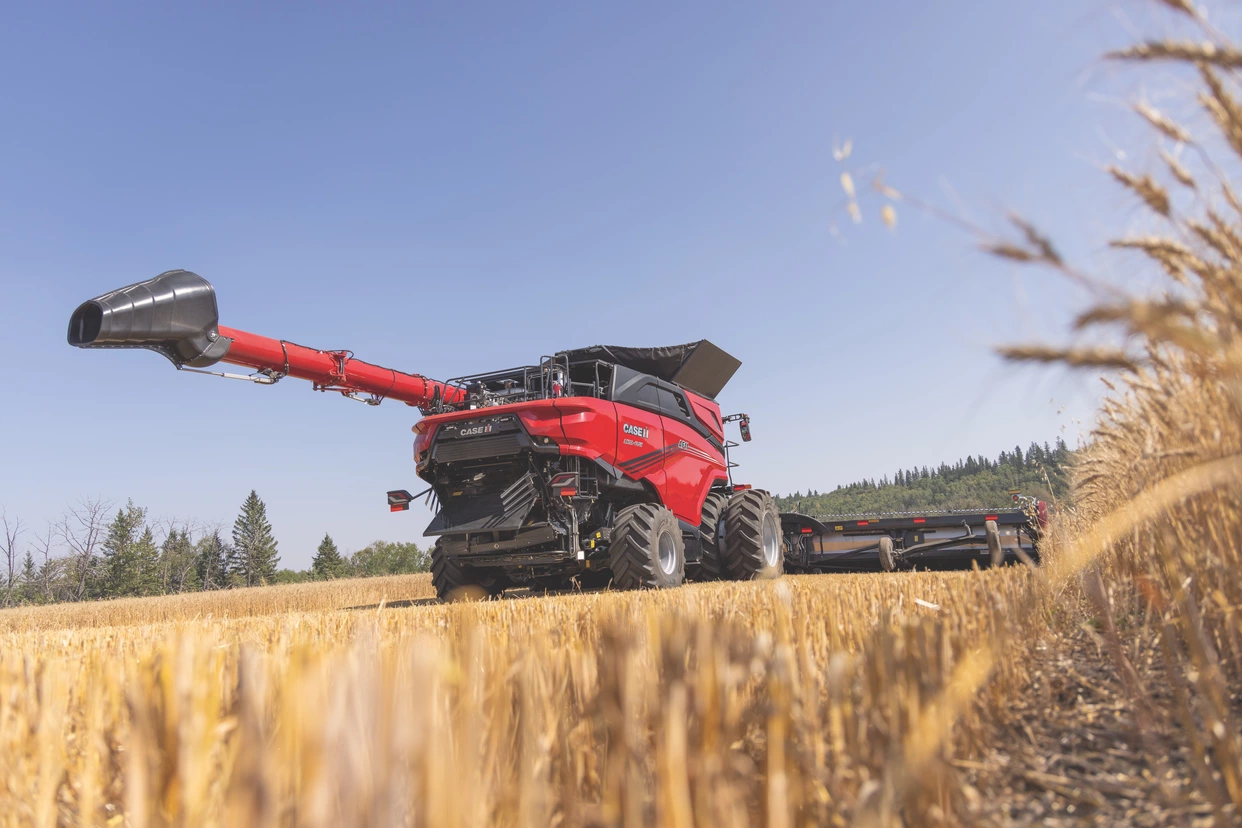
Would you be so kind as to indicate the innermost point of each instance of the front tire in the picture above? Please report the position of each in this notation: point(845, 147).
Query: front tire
point(457, 583)
point(753, 546)
point(647, 551)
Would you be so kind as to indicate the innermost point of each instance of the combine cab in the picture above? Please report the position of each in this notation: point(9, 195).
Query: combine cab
point(607, 465)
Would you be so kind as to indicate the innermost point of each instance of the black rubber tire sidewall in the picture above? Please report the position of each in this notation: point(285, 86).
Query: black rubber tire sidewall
point(711, 565)
point(453, 582)
point(743, 546)
point(633, 552)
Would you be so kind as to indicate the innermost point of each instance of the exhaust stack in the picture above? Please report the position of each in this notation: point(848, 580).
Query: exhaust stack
point(173, 314)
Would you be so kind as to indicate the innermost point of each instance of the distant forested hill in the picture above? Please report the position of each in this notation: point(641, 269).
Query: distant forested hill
point(973, 483)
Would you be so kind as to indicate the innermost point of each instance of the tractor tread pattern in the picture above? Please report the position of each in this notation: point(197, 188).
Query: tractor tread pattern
point(711, 564)
point(743, 547)
point(632, 555)
point(449, 579)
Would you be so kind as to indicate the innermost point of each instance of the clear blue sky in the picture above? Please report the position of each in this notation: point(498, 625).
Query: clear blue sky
point(449, 188)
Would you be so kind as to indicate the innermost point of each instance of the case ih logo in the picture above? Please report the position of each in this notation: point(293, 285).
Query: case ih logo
point(635, 430)
point(473, 430)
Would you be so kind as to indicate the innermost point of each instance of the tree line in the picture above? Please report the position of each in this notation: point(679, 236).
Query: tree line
point(1040, 471)
point(87, 555)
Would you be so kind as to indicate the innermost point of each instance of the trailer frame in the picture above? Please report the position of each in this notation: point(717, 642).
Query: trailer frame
point(950, 539)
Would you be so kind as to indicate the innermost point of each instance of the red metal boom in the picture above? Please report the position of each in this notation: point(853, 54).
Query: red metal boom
point(332, 370)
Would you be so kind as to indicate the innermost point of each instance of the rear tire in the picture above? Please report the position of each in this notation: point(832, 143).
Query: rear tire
point(753, 545)
point(457, 583)
point(647, 551)
point(994, 543)
point(887, 562)
point(711, 564)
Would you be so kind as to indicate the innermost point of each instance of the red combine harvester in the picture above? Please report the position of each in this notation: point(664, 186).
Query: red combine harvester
point(606, 464)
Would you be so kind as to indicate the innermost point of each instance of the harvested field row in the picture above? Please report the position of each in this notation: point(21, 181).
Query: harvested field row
point(738, 702)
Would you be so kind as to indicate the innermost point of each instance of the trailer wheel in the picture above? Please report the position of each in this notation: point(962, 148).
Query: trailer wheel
point(711, 564)
point(887, 562)
point(455, 583)
point(646, 550)
point(753, 546)
point(994, 543)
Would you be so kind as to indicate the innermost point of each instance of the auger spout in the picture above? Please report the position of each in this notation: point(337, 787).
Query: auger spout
point(175, 314)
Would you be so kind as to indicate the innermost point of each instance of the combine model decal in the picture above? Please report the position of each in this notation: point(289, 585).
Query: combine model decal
point(648, 460)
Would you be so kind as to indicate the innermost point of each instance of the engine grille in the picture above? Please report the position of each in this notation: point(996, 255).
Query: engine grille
point(477, 448)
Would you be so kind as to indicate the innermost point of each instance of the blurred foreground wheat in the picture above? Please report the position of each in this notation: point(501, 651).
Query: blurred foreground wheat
point(717, 704)
point(1157, 527)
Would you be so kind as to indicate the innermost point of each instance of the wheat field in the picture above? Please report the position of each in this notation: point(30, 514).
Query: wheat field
point(725, 704)
point(1100, 688)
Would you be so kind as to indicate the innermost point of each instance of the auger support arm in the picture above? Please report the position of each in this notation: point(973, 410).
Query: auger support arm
point(175, 314)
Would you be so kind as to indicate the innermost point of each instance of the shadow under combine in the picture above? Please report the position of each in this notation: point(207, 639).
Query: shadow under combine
point(509, 595)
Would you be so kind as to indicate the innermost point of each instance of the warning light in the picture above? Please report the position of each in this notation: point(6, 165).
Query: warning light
point(399, 500)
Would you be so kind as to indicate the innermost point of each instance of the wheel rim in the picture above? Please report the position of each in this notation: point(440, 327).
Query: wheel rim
point(668, 553)
point(771, 542)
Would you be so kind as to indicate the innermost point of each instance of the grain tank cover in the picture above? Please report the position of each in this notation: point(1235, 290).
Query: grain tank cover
point(707, 369)
point(698, 366)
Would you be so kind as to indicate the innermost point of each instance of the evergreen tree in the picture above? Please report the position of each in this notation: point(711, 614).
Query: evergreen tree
point(974, 483)
point(147, 564)
point(121, 574)
point(254, 558)
point(327, 563)
point(178, 564)
point(29, 580)
point(211, 561)
point(1062, 452)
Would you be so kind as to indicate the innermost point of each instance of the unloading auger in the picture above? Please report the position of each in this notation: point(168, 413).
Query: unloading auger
point(175, 314)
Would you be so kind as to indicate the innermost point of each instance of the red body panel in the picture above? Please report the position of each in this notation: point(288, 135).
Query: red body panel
point(691, 466)
point(640, 442)
point(708, 414)
point(588, 428)
point(676, 460)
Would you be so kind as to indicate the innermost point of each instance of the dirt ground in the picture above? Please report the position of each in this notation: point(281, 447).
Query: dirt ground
point(1078, 753)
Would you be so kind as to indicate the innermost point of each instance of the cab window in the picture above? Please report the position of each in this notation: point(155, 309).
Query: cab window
point(673, 404)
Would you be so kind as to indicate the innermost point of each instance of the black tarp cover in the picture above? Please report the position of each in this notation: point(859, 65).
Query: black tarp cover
point(700, 366)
